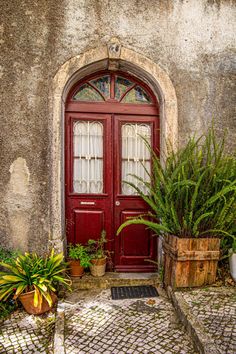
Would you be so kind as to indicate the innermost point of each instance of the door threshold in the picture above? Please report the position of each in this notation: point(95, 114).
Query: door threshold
point(115, 279)
point(132, 275)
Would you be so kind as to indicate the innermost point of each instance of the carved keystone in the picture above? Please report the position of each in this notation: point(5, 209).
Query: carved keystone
point(114, 51)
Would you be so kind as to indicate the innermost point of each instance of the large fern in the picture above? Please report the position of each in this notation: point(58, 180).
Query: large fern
point(194, 193)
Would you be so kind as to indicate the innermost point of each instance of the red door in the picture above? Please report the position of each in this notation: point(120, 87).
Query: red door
point(106, 116)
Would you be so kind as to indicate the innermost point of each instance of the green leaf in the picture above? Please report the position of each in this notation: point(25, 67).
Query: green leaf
point(11, 278)
point(20, 288)
point(157, 228)
point(198, 221)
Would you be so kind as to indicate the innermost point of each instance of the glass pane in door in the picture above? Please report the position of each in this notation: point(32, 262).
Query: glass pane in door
point(88, 157)
point(136, 157)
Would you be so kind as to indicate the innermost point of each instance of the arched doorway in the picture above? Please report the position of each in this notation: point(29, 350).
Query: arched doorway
point(106, 115)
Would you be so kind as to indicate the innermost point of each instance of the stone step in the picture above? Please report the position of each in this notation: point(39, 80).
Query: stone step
point(115, 279)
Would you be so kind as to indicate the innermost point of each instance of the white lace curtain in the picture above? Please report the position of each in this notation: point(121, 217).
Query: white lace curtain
point(88, 157)
point(135, 156)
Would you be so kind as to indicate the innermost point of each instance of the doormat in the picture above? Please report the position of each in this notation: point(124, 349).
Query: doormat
point(133, 292)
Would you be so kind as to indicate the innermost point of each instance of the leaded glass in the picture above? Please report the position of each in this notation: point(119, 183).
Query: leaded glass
point(121, 86)
point(87, 93)
point(103, 85)
point(137, 95)
point(88, 157)
point(136, 158)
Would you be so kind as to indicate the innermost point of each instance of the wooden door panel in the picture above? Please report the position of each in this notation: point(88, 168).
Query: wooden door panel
point(88, 224)
point(135, 239)
point(87, 214)
point(136, 244)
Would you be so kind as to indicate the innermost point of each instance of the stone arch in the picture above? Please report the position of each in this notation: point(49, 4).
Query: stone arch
point(69, 73)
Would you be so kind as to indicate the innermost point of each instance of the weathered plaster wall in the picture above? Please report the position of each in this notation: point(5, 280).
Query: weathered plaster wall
point(192, 40)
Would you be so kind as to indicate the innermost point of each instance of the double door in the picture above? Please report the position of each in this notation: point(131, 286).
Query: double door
point(103, 152)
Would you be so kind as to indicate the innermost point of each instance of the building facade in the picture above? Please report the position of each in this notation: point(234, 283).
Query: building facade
point(178, 57)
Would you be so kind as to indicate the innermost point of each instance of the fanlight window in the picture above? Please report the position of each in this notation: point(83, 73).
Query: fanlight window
point(136, 95)
point(112, 88)
point(121, 86)
point(103, 85)
point(87, 93)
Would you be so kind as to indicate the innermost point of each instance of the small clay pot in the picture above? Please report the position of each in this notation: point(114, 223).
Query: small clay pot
point(76, 270)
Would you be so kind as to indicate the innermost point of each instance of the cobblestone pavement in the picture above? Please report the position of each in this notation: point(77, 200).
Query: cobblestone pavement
point(216, 309)
point(23, 333)
point(97, 324)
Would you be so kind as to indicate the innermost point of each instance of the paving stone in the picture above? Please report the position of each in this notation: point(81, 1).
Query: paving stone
point(216, 309)
point(97, 324)
point(123, 326)
point(24, 333)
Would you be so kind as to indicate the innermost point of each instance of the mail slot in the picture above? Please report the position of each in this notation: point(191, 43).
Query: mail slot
point(87, 203)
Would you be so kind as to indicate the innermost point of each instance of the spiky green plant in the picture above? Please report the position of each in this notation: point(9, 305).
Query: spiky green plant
point(30, 272)
point(194, 193)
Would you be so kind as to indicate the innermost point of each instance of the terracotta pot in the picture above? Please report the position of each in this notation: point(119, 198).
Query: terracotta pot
point(190, 262)
point(27, 301)
point(98, 267)
point(76, 270)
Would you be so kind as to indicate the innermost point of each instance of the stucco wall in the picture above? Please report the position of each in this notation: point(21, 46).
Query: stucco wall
point(192, 40)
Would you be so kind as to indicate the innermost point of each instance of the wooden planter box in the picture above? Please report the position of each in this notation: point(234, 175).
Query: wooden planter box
point(190, 262)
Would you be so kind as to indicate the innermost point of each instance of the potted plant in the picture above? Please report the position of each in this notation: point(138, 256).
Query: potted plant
point(78, 259)
point(34, 280)
point(193, 205)
point(232, 258)
point(98, 255)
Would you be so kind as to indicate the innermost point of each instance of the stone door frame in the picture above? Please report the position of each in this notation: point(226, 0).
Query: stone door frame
point(113, 56)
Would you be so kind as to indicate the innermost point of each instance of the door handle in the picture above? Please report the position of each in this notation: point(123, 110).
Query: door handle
point(117, 203)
